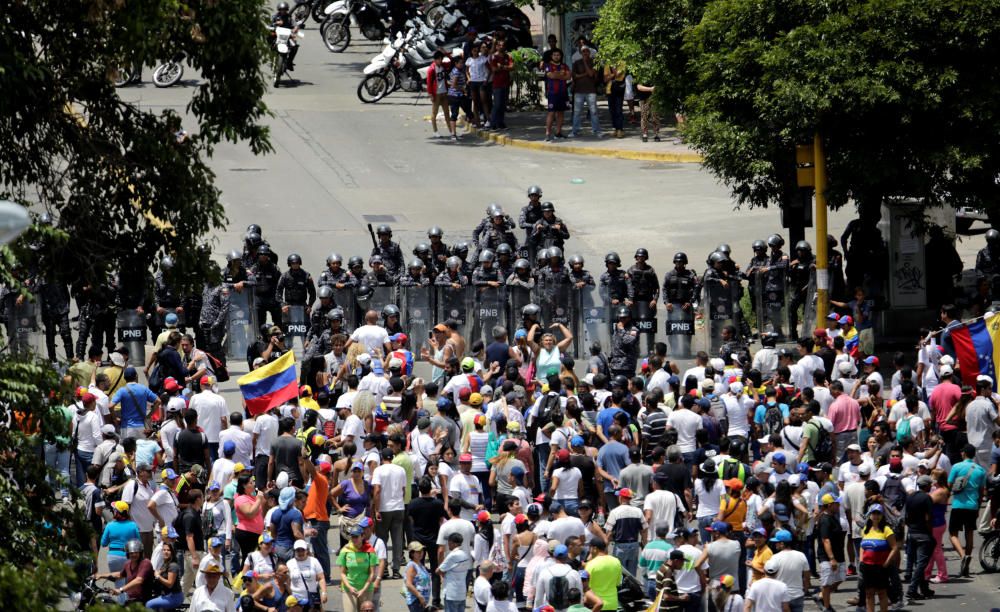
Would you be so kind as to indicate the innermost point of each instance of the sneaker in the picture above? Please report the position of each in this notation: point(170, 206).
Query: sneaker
point(899, 605)
point(454, 138)
point(599, 135)
point(645, 138)
point(560, 135)
point(850, 568)
point(574, 134)
point(396, 575)
point(436, 135)
point(548, 138)
point(966, 562)
point(936, 580)
point(657, 139)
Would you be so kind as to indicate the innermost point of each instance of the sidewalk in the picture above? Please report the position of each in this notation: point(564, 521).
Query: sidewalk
point(527, 130)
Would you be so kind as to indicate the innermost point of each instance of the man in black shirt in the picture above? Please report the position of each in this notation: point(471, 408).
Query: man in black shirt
point(285, 451)
point(190, 539)
point(675, 476)
point(427, 514)
point(919, 539)
point(830, 553)
point(190, 445)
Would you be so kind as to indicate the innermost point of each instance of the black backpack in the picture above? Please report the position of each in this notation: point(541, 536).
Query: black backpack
point(549, 406)
point(774, 419)
point(558, 593)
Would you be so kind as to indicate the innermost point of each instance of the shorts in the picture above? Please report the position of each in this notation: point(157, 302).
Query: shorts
point(875, 576)
point(456, 104)
point(829, 577)
point(962, 519)
point(440, 100)
point(557, 103)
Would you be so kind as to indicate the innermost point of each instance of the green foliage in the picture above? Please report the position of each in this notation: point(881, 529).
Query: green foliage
point(557, 7)
point(526, 90)
point(120, 184)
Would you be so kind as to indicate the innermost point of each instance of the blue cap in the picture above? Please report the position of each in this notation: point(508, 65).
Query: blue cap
point(555, 507)
point(760, 531)
point(704, 403)
point(584, 575)
point(520, 334)
point(170, 319)
point(365, 523)
point(168, 474)
point(778, 457)
point(443, 402)
point(229, 447)
point(214, 486)
point(781, 511)
point(129, 373)
point(673, 380)
point(833, 317)
point(875, 508)
point(782, 535)
point(534, 509)
point(561, 550)
point(719, 527)
point(216, 541)
point(171, 532)
point(803, 468)
point(356, 531)
point(266, 538)
point(576, 441)
point(357, 465)
point(517, 471)
point(843, 320)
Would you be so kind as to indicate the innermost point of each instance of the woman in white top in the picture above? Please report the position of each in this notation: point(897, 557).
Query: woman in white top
point(567, 484)
point(479, 72)
point(222, 515)
point(708, 490)
point(549, 360)
point(86, 429)
point(307, 579)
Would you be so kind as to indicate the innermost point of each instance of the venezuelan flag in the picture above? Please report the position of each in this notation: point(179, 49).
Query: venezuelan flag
point(973, 343)
point(270, 385)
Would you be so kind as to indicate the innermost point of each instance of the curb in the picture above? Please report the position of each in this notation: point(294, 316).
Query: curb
point(503, 139)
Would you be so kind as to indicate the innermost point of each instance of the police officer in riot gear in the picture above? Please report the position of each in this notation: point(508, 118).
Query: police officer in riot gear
point(578, 275)
point(438, 250)
point(54, 297)
point(415, 275)
point(499, 231)
point(531, 316)
point(554, 275)
point(775, 273)
point(214, 315)
point(378, 275)
point(624, 344)
point(550, 230)
point(614, 281)
point(234, 274)
point(335, 276)
point(757, 264)
point(505, 260)
point(680, 292)
point(798, 284)
point(266, 277)
point(97, 315)
point(493, 212)
point(541, 261)
point(295, 287)
point(736, 286)
point(423, 252)
point(356, 268)
point(461, 251)
point(251, 242)
point(392, 255)
point(718, 284)
point(530, 215)
point(521, 276)
point(988, 260)
point(323, 343)
point(317, 318)
point(486, 273)
point(166, 295)
point(390, 319)
point(643, 285)
point(452, 275)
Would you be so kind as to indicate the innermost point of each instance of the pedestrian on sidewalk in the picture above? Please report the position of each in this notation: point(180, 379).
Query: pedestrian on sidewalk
point(457, 98)
point(556, 91)
point(479, 72)
point(585, 91)
point(437, 87)
point(501, 63)
point(614, 88)
point(647, 110)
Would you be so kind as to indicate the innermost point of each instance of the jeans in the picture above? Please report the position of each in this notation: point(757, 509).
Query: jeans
point(615, 108)
point(519, 585)
point(321, 545)
point(920, 547)
point(283, 553)
point(115, 563)
point(83, 459)
point(392, 524)
point(578, 101)
point(484, 486)
point(497, 119)
point(542, 452)
point(57, 458)
point(704, 522)
point(454, 605)
point(572, 506)
point(628, 554)
point(693, 603)
point(213, 451)
point(651, 588)
point(166, 602)
point(797, 604)
point(415, 607)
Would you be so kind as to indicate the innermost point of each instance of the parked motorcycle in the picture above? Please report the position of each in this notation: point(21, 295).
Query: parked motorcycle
point(169, 73)
point(393, 69)
point(366, 15)
point(285, 39)
point(454, 16)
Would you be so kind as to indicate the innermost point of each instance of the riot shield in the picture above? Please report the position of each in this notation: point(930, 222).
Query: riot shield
point(24, 332)
point(380, 298)
point(296, 325)
point(456, 304)
point(679, 328)
point(645, 322)
point(718, 302)
point(770, 306)
point(807, 319)
point(595, 318)
point(517, 298)
point(416, 305)
point(558, 305)
point(490, 311)
point(132, 335)
point(242, 325)
point(344, 298)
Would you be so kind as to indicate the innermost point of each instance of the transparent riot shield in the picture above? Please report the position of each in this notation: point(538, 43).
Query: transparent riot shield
point(645, 322)
point(558, 305)
point(416, 305)
point(380, 298)
point(242, 325)
point(718, 304)
point(132, 335)
point(296, 325)
point(456, 304)
point(595, 318)
point(24, 331)
point(769, 305)
point(806, 307)
point(344, 298)
point(679, 328)
point(490, 311)
point(517, 298)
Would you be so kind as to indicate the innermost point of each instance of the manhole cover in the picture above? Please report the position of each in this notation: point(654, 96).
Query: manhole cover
point(380, 218)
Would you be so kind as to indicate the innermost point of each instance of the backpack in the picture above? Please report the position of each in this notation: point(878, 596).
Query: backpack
point(903, 429)
point(774, 419)
point(208, 528)
point(823, 450)
point(218, 367)
point(549, 406)
point(732, 468)
point(894, 493)
point(958, 485)
point(558, 592)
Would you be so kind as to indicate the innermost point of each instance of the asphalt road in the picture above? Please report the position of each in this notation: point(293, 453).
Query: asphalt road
point(339, 164)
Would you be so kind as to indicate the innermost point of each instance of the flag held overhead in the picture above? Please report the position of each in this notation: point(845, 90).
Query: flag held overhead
point(270, 385)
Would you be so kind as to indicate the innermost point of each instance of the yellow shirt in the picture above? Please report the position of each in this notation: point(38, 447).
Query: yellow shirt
point(760, 557)
point(734, 511)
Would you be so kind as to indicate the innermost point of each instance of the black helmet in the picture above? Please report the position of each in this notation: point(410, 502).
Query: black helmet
point(680, 257)
point(486, 255)
point(384, 229)
point(534, 190)
point(717, 257)
point(252, 239)
point(435, 231)
point(461, 249)
point(325, 292)
point(831, 242)
point(542, 256)
point(504, 249)
point(166, 263)
point(334, 257)
point(522, 264)
point(263, 249)
point(641, 252)
point(531, 310)
point(736, 448)
point(992, 236)
point(725, 249)
point(453, 262)
point(775, 240)
point(422, 249)
point(620, 381)
point(335, 314)
point(612, 257)
point(555, 253)
point(802, 245)
point(759, 245)
point(417, 263)
point(282, 6)
point(233, 255)
point(294, 258)
point(623, 312)
point(548, 206)
point(355, 261)
point(390, 310)
point(374, 259)
point(253, 228)
point(365, 291)
point(575, 259)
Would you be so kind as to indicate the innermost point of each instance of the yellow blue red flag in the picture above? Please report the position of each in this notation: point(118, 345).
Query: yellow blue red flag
point(270, 385)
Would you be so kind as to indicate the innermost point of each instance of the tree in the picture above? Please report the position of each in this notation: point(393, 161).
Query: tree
point(123, 182)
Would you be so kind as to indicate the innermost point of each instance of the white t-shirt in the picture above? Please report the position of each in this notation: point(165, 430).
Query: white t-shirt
point(663, 505)
point(569, 479)
point(167, 434)
point(304, 575)
point(461, 526)
point(88, 430)
point(980, 418)
point(930, 379)
point(265, 427)
point(848, 472)
point(544, 578)
point(346, 400)
point(768, 595)
point(916, 424)
point(736, 412)
point(687, 578)
point(354, 426)
point(243, 442)
point(206, 559)
point(421, 448)
point(899, 409)
point(710, 499)
point(482, 592)
point(166, 505)
point(211, 408)
point(466, 488)
point(698, 372)
point(562, 528)
point(687, 424)
point(222, 471)
point(824, 397)
point(392, 478)
point(501, 606)
point(137, 496)
point(372, 337)
point(791, 564)
point(376, 384)
point(103, 401)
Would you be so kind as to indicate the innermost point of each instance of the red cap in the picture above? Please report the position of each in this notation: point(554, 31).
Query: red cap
point(88, 398)
point(305, 390)
point(465, 458)
point(465, 393)
point(624, 492)
point(819, 332)
point(483, 516)
point(170, 384)
point(324, 467)
point(401, 338)
point(520, 519)
point(563, 455)
point(205, 381)
point(540, 497)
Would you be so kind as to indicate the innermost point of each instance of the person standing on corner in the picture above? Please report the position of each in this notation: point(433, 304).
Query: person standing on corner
point(501, 63)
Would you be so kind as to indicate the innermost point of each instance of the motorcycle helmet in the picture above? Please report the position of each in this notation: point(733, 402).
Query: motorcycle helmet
point(504, 249)
point(775, 240)
point(390, 310)
point(294, 258)
point(576, 259)
point(133, 546)
point(542, 257)
point(717, 257)
point(435, 231)
point(384, 230)
point(531, 311)
point(620, 381)
point(497, 213)
point(486, 256)
point(282, 6)
point(802, 245)
point(355, 261)
point(641, 252)
point(422, 249)
point(166, 263)
point(325, 292)
point(555, 253)
point(365, 291)
point(263, 249)
point(759, 245)
point(680, 257)
point(534, 190)
point(453, 263)
point(522, 264)
point(334, 257)
point(417, 263)
point(374, 259)
point(233, 255)
point(492, 208)
point(548, 207)
point(335, 314)
point(612, 257)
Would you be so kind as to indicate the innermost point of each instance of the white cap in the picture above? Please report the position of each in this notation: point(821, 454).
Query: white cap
point(589, 379)
point(736, 388)
point(846, 367)
point(300, 544)
point(946, 360)
point(364, 358)
point(984, 377)
point(865, 469)
point(946, 370)
point(717, 364)
point(793, 480)
point(873, 379)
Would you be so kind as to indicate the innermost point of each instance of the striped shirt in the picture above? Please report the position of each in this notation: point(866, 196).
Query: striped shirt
point(625, 524)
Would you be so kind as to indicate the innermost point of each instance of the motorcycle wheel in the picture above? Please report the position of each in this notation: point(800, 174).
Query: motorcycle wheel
point(336, 36)
point(392, 78)
point(318, 14)
point(989, 553)
point(168, 74)
point(122, 76)
point(300, 14)
point(279, 70)
point(435, 15)
point(373, 88)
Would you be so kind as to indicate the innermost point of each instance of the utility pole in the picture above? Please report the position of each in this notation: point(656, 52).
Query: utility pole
point(822, 269)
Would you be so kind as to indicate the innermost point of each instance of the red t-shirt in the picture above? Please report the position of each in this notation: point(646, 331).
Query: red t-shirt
point(500, 63)
point(143, 592)
point(943, 399)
